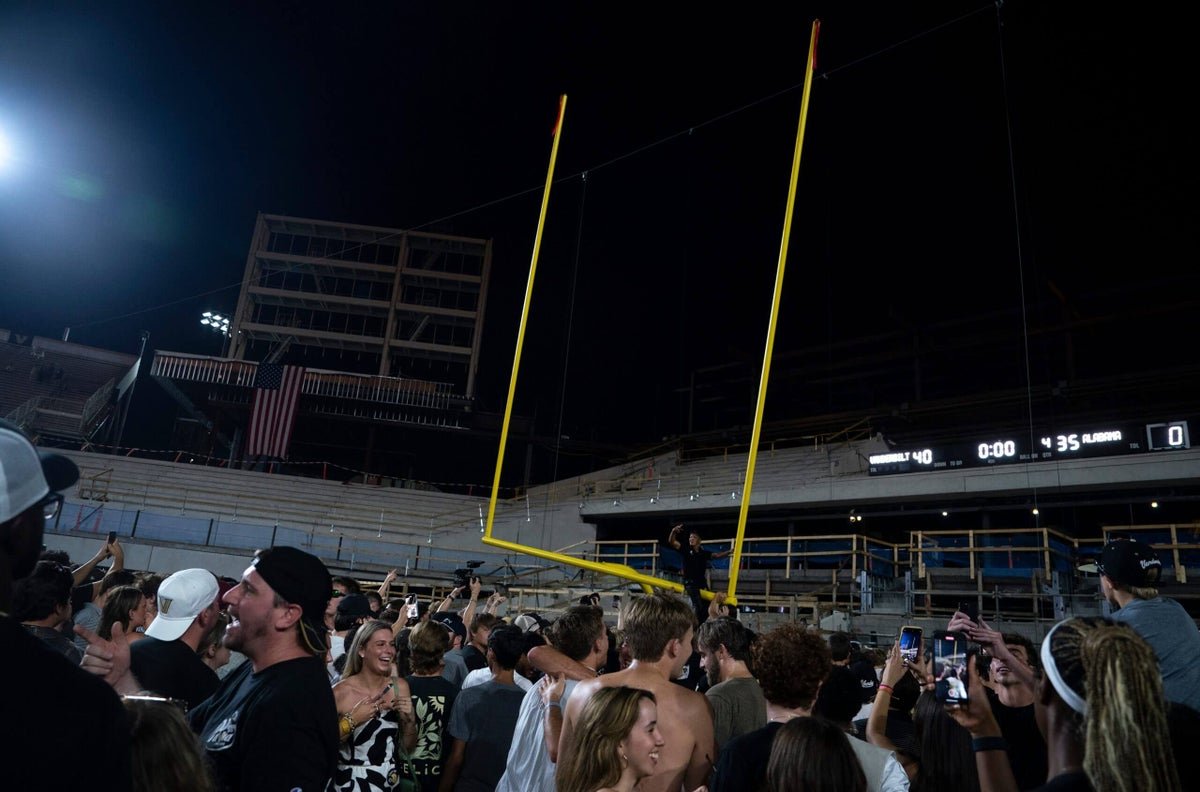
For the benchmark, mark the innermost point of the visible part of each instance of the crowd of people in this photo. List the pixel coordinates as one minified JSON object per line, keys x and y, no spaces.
{"x":289,"y":678}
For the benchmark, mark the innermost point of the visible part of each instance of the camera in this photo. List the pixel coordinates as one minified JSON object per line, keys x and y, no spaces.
{"x":462,"y":577}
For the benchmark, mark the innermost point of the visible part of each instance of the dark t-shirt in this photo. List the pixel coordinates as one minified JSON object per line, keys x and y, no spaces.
{"x":742,"y":765}
{"x":1026,"y":746}
{"x":474,"y":658}
{"x":484,"y":717}
{"x":433,"y":701}
{"x":172,"y":669}
{"x":693,"y":676}
{"x":274,"y":730}
{"x":61,"y":727}
{"x":695,"y":565}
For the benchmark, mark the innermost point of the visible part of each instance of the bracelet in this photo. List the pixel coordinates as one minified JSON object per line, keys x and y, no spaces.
{"x":888,"y":688}
{"x":556,"y":704}
{"x":988,"y":744}
{"x":346,"y":726}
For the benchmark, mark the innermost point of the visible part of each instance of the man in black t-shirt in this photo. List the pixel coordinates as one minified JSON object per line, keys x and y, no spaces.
{"x":272,"y":724}
{"x":165,"y":661}
{"x":1011,"y":698}
{"x":63,"y":729}
{"x":694,"y":567}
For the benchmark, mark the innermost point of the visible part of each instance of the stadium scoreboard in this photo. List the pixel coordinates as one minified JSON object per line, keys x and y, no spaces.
{"x":1066,"y":443}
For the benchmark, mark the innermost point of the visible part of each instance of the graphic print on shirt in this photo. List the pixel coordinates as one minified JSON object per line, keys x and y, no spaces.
{"x":223,"y":736}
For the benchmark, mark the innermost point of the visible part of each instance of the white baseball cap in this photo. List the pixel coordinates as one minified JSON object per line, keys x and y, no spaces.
{"x":181,"y":598}
{"x":27,"y":475}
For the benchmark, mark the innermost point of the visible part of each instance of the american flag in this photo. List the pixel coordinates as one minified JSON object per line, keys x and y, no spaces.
{"x":276,"y":394}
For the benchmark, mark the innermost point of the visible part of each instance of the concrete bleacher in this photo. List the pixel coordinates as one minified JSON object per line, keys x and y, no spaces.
{"x":61,"y":377}
{"x":350,"y":526}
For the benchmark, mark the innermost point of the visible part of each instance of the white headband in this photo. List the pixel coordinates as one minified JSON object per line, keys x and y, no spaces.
{"x":1072,"y":699}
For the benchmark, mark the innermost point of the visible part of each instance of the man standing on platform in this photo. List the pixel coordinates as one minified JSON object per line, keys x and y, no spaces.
{"x":695,"y":567}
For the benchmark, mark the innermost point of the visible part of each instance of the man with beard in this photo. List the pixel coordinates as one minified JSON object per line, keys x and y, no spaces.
{"x":736,"y":698}
{"x":64,"y":729}
{"x":272,"y":724}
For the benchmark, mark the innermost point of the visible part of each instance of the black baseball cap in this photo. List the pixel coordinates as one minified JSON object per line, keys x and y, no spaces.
{"x":301,"y":579}
{"x":1130,"y":563}
{"x":354,"y":605}
{"x":452,"y":622}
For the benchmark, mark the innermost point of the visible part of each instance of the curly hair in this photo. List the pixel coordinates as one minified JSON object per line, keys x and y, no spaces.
{"x":791,"y":664}
{"x":606,"y":720}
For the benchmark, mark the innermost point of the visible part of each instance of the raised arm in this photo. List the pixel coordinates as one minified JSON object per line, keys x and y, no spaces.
{"x":385,"y":588}
{"x":469,"y":612}
{"x":893,"y":671}
{"x":991,"y":755}
{"x":673,"y":539}
{"x":82,"y":572}
{"x":448,"y":600}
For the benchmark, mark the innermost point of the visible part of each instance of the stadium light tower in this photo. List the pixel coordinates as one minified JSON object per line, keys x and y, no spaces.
{"x":218,"y":323}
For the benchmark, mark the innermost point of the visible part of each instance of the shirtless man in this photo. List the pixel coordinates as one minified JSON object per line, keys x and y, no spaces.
{"x":658,"y":629}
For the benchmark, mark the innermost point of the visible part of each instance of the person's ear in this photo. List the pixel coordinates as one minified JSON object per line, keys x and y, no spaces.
{"x":288,"y":618}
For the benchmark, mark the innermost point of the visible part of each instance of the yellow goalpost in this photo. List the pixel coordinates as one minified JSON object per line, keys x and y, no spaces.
{"x":621,"y":570}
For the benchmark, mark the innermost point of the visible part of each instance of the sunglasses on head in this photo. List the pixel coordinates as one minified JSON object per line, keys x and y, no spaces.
{"x":337,"y":594}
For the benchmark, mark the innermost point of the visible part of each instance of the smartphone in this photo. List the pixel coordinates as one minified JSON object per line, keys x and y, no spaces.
{"x":950,"y":667}
{"x":112,"y":537}
{"x":971,"y":609}
{"x":910,"y":643}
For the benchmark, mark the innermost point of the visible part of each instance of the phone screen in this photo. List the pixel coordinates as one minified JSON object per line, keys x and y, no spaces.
{"x":910,"y":643}
{"x":950,"y":667}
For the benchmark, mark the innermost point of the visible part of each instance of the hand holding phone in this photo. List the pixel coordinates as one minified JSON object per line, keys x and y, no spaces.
{"x":950,"y":661}
{"x":112,"y":537}
{"x":910,"y":643}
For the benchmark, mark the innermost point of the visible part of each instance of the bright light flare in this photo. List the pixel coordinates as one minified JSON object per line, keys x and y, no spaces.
{"x":6,"y":152}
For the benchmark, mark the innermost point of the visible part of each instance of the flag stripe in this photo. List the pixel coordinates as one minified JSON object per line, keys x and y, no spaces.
{"x":276,"y":397}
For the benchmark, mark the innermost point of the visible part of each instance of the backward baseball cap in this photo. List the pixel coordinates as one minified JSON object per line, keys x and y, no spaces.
{"x":28,"y":475}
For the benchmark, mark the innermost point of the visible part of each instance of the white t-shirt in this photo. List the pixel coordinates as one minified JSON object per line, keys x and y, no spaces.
{"x":484,"y":675}
{"x":529,"y":766}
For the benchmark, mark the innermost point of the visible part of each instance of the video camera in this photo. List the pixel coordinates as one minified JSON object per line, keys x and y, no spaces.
{"x":462,"y":577}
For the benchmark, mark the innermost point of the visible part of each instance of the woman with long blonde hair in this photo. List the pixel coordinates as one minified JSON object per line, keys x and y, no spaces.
{"x":375,"y":712}
{"x":618,"y":743}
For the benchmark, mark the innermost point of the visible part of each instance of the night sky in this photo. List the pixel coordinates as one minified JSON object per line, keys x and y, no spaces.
{"x":146,"y":137}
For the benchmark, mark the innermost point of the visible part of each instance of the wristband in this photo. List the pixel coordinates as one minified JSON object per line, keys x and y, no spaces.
{"x":556,"y":704}
{"x":888,"y":688}
{"x":988,"y":744}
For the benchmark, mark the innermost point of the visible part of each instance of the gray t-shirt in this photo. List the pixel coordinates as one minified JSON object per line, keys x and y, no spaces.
{"x":1172,"y":635}
{"x":455,"y":668}
{"x":738,"y":708}
{"x":484,"y":717}
{"x":87,"y":616}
